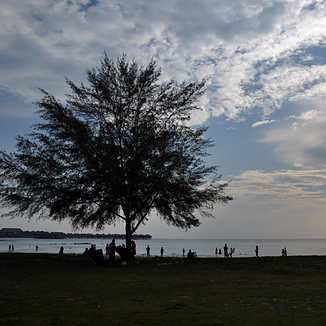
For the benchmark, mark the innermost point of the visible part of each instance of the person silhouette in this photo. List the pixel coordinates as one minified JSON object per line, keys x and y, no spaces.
{"x":148,"y":250}
{"x":257,"y":251}
{"x":225,"y":250}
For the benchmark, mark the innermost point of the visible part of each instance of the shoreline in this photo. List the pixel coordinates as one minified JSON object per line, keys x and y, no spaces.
{"x":153,"y":258}
{"x":173,"y":248}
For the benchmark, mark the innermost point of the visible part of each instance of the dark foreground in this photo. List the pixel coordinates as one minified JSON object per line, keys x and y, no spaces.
{"x":45,"y":289}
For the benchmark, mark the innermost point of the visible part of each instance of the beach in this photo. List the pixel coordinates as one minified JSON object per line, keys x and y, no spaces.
{"x":205,"y":248}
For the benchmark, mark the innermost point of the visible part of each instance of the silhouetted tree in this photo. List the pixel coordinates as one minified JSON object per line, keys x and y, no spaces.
{"x":118,"y":149}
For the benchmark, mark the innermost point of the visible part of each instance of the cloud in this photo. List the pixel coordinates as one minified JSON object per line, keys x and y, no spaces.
{"x":273,"y":204}
{"x":258,"y":54}
{"x":305,"y":116}
{"x":260,"y":123}
{"x":283,"y":184}
{"x":302,"y":143}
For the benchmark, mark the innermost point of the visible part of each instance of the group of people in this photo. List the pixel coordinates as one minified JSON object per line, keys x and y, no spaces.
{"x":89,"y":254}
{"x":111,"y":248}
{"x":227,"y":253}
{"x":284,"y":252}
{"x":148,"y":251}
{"x":191,"y":254}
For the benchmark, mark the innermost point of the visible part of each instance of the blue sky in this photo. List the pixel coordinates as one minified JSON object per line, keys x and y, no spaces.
{"x":264,"y":102}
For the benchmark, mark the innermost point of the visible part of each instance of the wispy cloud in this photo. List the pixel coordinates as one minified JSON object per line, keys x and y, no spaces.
{"x":276,"y":204}
{"x":305,"y":116}
{"x":263,"y":122}
{"x":302,"y":143}
{"x":284,"y":184}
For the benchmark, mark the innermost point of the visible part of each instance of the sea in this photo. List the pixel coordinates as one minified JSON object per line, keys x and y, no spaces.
{"x":204,"y":248}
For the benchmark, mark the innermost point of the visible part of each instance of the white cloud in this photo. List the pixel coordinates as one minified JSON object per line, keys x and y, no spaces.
{"x":309,"y":115}
{"x":263,"y":122}
{"x":302,"y":143}
{"x":257,"y":53}
{"x":275,"y":204}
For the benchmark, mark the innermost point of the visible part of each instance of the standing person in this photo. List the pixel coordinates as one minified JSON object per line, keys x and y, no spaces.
{"x":61,"y":250}
{"x":91,"y":253}
{"x":183,"y":252}
{"x":285,"y":252}
{"x":257,"y":251}
{"x":225,"y":250}
{"x":216,"y":252}
{"x":162,"y":251}
{"x":231,"y":252}
{"x":133,"y":250}
{"x":107,"y":249}
{"x":112,"y":250}
{"x":148,"y":250}
{"x":86,"y":254}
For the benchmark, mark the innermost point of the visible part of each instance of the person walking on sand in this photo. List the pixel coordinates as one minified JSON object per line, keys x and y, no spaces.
{"x":257,"y":251}
{"x":225,"y":251}
{"x":148,"y":250}
{"x":183,"y":252}
{"x":162,"y":251}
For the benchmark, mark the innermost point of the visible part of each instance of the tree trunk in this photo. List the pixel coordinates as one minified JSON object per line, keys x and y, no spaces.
{"x":128,"y":237}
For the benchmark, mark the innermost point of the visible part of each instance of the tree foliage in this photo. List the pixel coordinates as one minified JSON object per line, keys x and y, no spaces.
{"x":118,"y":149}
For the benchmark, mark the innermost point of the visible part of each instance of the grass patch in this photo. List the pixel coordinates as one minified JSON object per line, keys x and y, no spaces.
{"x":47,"y":289}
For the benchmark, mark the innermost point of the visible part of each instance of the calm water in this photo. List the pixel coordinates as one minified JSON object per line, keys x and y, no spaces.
{"x":204,"y":248}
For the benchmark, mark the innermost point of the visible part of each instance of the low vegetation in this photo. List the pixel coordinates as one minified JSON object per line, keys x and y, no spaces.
{"x":45,"y":289}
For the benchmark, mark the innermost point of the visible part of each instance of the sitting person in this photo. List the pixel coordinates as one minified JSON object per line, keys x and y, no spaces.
{"x":91,"y":254}
{"x":85,"y":254}
{"x":190,"y":254}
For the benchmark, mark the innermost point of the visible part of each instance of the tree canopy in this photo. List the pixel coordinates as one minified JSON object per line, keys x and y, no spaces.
{"x":119,"y":148}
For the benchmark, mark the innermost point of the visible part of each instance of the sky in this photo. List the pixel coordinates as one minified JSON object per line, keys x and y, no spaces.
{"x":264,"y":101}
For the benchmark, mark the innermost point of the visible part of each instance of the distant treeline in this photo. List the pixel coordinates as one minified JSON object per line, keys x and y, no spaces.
{"x":18,"y":233}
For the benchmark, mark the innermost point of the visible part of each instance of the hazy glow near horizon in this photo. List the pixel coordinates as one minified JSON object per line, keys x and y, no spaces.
{"x":264,"y":101}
